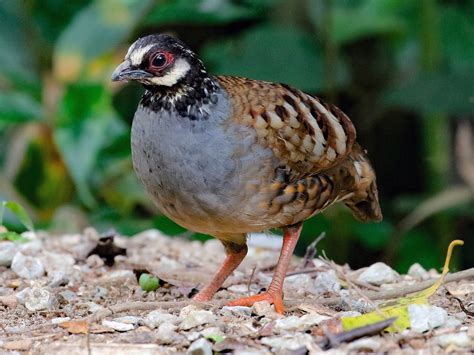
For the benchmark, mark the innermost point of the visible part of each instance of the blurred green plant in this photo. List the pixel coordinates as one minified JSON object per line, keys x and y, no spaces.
{"x":19,"y":212}
{"x":395,"y":66}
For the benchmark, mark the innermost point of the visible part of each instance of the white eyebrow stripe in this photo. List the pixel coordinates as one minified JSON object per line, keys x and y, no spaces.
{"x":136,"y":56}
{"x":180,"y":69}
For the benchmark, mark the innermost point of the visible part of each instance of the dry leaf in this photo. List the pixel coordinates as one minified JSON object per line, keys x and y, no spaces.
{"x":75,"y":326}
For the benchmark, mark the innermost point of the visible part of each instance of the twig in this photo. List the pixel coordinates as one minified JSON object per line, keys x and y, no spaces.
{"x":250,"y":279}
{"x":334,"y":340}
{"x":311,"y":250}
{"x":461,"y":304}
{"x":304,"y":271}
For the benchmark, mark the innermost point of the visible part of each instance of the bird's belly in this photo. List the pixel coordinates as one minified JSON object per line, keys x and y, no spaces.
{"x":199,"y":174}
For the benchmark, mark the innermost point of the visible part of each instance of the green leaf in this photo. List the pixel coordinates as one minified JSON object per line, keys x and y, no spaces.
{"x":19,"y":212}
{"x":436,"y":93}
{"x":370,"y":18}
{"x":457,"y":38}
{"x":18,"y":62}
{"x":13,"y":237}
{"x":204,"y":12}
{"x":87,"y":125}
{"x":295,"y":60}
{"x":16,"y":107}
{"x":95,"y":30}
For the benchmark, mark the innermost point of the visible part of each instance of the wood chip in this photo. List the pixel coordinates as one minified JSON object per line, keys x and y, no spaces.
{"x":76,"y":326}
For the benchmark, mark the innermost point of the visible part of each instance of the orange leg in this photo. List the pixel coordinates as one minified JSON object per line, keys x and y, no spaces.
{"x":235,"y":255}
{"x":274,"y":294}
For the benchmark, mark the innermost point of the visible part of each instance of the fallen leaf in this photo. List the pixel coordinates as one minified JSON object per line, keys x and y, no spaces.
{"x":399,"y":307}
{"x":75,"y":326}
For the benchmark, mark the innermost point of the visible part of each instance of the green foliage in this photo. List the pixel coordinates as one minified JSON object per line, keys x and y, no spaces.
{"x":19,"y":213}
{"x":64,"y":128}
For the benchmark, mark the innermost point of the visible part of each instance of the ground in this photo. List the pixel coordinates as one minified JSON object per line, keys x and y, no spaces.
{"x":54,"y":298}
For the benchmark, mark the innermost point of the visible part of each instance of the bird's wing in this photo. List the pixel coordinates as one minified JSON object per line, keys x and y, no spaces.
{"x":306,"y":134}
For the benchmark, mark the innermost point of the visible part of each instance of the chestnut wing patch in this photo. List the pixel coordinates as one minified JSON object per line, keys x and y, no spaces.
{"x":305,"y":133}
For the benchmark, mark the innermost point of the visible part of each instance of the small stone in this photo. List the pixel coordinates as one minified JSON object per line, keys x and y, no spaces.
{"x":327,"y":281}
{"x":167,"y":334}
{"x":238,"y":288}
{"x":94,"y":261}
{"x":378,"y":274}
{"x":212,"y":332}
{"x":155,"y":318}
{"x":119,"y":277}
{"x":299,"y":323}
{"x":186,"y":311}
{"x":94,"y":307}
{"x":366,"y":344}
{"x":100,"y":293}
{"x":418,"y":271}
{"x":452,"y":322}
{"x":299,"y":284}
{"x":128,"y":320}
{"x":53,"y":262}
{"x":197,"y":318}
{"x":27,"y":267}
{"x":7,"y":252}
{"x":460,"y":339}
{"x":118,"y":326}
{"x":67,"y":295}
{"x":59,"y":320}
{"x":58,"y":278}
{"x":288,"y":341}
{"x":289,"y":323}
{"x":35,"y":298}
{"x":262,"y":308}
{"x":425,"y":317}
{"x":201,"y":346}
{"x":237,"y":310}
{"x":9,"y":301}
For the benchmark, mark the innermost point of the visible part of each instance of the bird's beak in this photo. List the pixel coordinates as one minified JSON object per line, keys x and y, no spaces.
{"x":125,"y":71}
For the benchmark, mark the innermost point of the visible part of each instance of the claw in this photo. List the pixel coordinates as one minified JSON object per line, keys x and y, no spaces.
{"x":273,"y":298}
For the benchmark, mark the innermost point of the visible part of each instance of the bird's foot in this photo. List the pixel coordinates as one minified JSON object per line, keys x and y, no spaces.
{"x":272,"y":297}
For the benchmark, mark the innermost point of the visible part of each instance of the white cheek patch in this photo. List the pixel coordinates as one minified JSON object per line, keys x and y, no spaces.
{"x":179,"y":71}
{"x":136,"y":56}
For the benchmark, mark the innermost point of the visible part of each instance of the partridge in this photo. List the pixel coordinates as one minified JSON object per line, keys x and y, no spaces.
{"x":227,"y":156}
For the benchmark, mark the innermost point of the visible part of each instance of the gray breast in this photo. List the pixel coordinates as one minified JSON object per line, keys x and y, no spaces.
{"x":198,"y":172}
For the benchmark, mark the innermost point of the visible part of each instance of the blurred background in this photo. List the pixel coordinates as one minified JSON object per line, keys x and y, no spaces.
{"x":403,"y":70}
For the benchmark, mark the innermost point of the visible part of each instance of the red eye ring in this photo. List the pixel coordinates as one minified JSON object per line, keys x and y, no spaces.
{"x":161,"y":60}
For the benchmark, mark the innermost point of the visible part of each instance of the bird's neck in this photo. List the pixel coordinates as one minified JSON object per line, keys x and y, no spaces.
{"x":189,"y":97}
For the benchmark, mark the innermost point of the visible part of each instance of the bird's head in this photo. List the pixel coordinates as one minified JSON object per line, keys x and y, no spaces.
{"x":159,"y":60}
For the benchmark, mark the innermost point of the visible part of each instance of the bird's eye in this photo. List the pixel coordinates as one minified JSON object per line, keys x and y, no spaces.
{"x":159,"y":60}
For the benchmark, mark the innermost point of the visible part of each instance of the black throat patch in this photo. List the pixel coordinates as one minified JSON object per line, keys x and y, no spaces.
{"x":189,"y":97}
